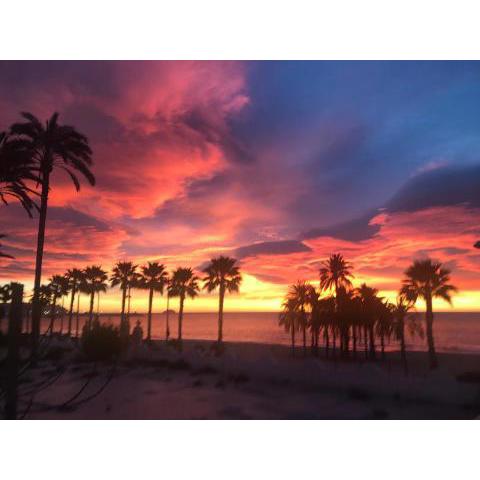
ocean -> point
(454, 332)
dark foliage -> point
(102, 342)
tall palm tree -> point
(94, 281)
(184, 283)
(385, 324)
(369, 311)
(153, 278)
(74, 277)
(45, 297)
(288, 318)
(427, 280)
(16, 171)
(336, 273)
(51, 146)
(400, 311)
(224, 274)
(124, 275)
(58, 288)
(300, 293)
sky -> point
(278, 164)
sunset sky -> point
(278, 164)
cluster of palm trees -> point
(347, 317)
(30, 151)
(222, 273)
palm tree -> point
(335, 273)
(16, 170)
(94, 281)
(288, 318)
(74, 277)
(184, 283)
(400, 311)
(369, 311)
(153, 279)
(45, 297)
(385, 324)
(428, 280)
(224, 274)
(58, 289)
(299, 293)
(124, 274)
(51, 146)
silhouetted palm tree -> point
(224, 274)
(300, 293)
(184, 283)
(427, 280)
(94, 281)
(45, 297)
(288, 318)
(58, 288)
(153, 279)
(400, 311)
(124, 274)
(369, 312)
(335, 273)
(51, 146)
(74, 277)
(16, 171)
(384, 324)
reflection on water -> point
(453, 331)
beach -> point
(249, 381)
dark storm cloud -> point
(354, 230)
(440, 187)
(281, 247)
(201, 121)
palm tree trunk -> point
(431, 345)
(124, 330)
(403, 350)
(382, 345)
(372, 342)
(77, 319)
(167, 326)
(70, 312)
(90, 313)
(149, 318)
(354, 340)
(61, 315)
(365, 340)
(304, 331)
(293, 340)
(334, 341)
(53, 307)
(221, 298)
(327, 342)
(180, 318)
(36, 307)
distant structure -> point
(477, 244)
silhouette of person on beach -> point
(137, 334)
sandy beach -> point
(249, 381)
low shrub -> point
(102, 342)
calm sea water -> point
(454, 332)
